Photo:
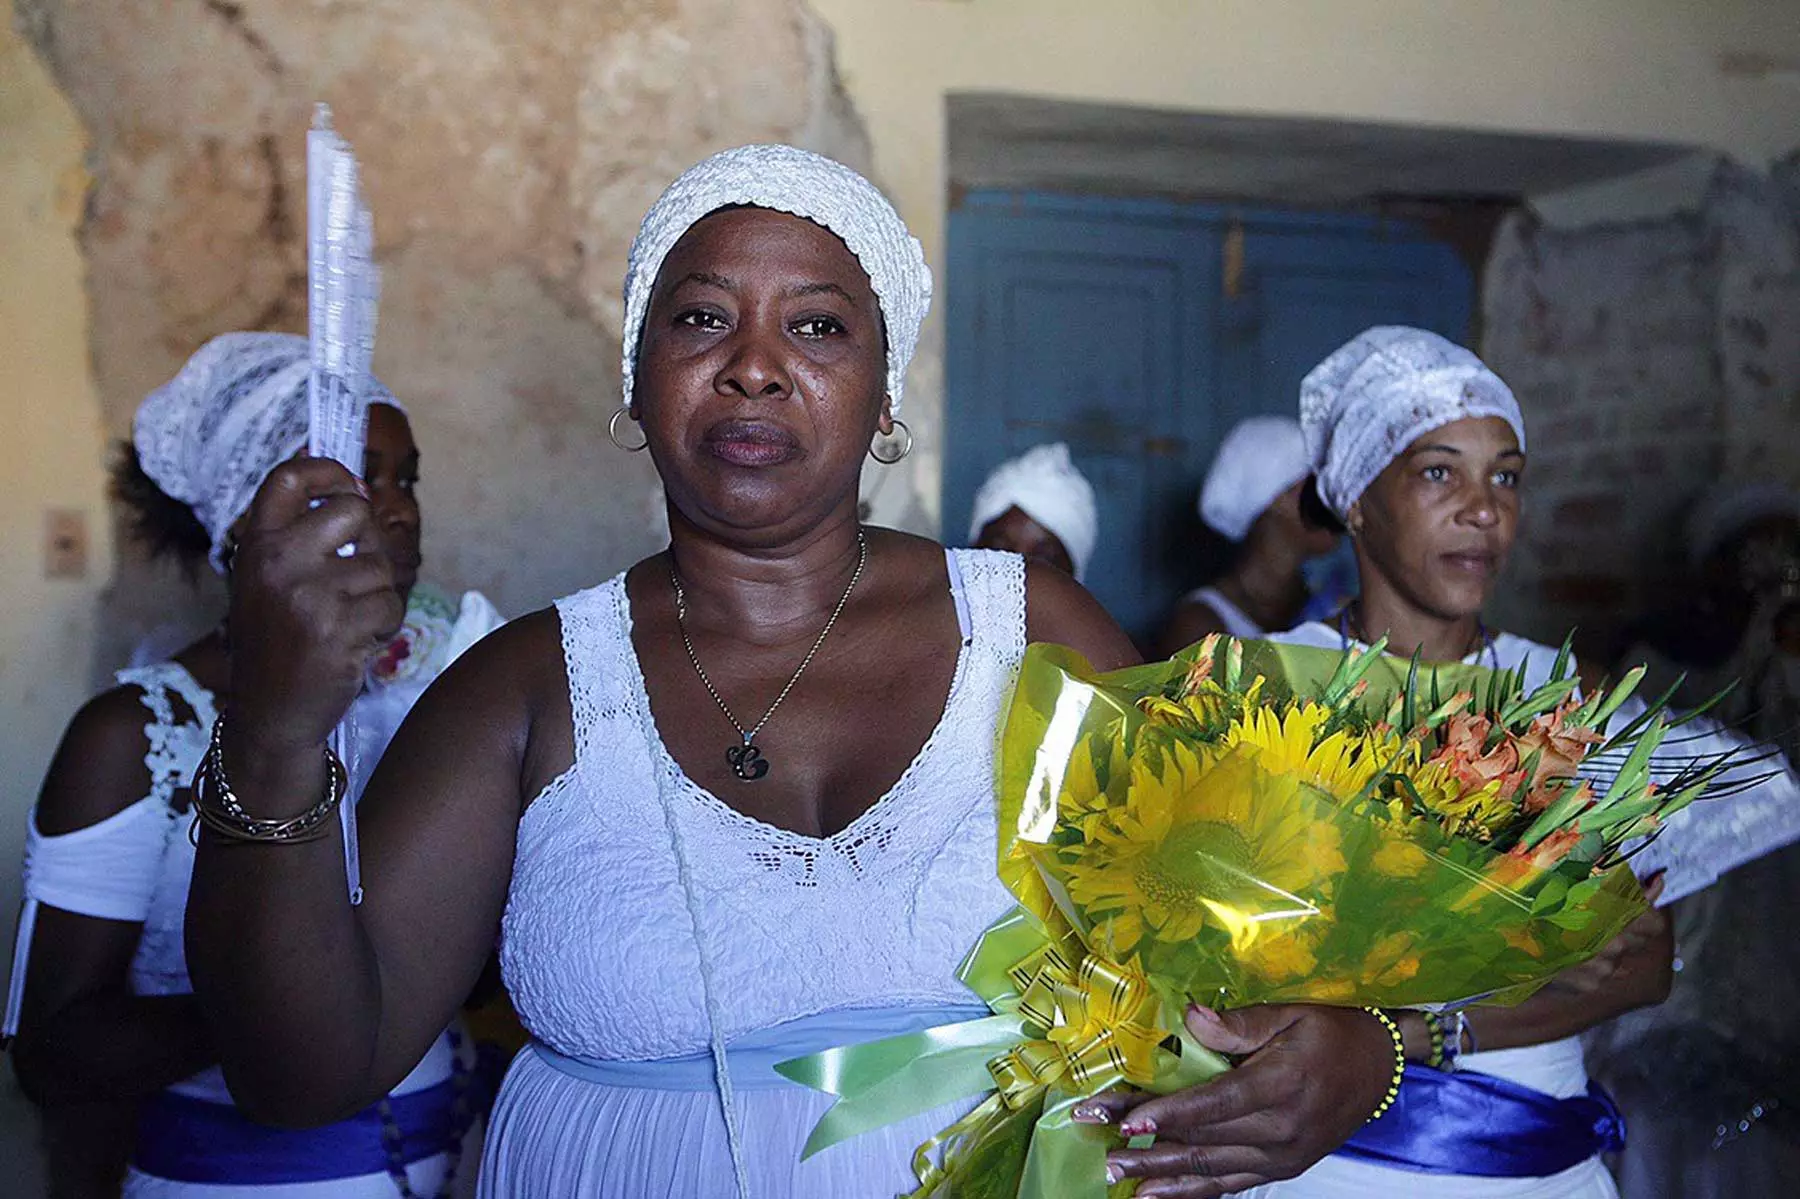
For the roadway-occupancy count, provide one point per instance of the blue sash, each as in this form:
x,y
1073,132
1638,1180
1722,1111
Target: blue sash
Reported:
x,y
1485,1127
183,1139
752,1058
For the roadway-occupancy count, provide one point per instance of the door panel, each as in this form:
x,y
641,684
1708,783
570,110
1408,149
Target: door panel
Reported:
x,y
1110,325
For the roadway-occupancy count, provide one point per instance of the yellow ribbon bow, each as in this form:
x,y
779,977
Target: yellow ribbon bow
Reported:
x,y
1096,1025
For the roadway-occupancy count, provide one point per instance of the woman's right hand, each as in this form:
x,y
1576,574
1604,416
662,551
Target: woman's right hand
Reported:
x,y
305,620
1311,1076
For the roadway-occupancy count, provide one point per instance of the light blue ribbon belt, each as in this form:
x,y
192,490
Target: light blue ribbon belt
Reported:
x,y
752,1058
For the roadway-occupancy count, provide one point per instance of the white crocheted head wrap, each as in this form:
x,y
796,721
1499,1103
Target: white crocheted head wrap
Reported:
x,y
1043,484
1258,460
1728,510
794,181
1383,390
235,411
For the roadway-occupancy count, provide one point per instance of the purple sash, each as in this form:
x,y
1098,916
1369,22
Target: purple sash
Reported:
x,y
182,1139
1485,1127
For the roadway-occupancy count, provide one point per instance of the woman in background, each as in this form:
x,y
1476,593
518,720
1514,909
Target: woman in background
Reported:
x,y
1040,506
1252,498
1418,452
101,1004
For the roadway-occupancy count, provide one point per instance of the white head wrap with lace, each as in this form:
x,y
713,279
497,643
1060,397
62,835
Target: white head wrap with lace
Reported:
x,y
786,179
234,412
1383,390
1044,484
1258,460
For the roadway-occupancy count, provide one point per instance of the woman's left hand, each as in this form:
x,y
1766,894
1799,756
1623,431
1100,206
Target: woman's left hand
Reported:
x,y
1312,1077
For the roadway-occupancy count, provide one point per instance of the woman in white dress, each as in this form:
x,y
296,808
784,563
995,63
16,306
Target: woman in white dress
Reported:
x,y
1251,498
100,1001
733,805
1418,450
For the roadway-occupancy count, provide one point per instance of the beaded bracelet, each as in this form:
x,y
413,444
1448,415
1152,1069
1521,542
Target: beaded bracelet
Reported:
x,y
1393,1091
1434,1026
217,806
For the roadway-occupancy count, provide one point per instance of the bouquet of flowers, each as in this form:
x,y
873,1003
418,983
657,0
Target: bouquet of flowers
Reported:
x,y
1256,823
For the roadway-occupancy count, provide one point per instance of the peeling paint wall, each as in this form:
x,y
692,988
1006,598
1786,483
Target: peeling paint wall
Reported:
x,y
1653,360
508,153
50,426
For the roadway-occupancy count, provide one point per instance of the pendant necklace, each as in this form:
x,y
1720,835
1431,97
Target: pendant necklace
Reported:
x,y
747,760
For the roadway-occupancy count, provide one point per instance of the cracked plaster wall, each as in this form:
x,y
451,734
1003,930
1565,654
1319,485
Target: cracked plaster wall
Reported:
x,y
508,153
1652,359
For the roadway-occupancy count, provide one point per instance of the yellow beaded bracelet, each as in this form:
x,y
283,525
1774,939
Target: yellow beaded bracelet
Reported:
x,y
1393,1091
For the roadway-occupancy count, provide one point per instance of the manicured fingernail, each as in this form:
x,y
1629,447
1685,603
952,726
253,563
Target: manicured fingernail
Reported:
x,y
1200,1012
1113,1174
1089,1113
1138,1126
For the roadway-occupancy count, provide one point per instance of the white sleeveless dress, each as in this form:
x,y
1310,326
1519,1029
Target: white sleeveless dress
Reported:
x,y
137,865
601,947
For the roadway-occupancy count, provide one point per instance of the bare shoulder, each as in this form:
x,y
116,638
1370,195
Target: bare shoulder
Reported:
x,y
1191,621
99,769
518,665
1060,610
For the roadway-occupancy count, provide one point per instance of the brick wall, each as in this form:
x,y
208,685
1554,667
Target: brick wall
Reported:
x,y
1652,359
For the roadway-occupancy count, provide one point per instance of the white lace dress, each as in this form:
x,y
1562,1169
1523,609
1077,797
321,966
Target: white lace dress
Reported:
x,y
803,938
137,864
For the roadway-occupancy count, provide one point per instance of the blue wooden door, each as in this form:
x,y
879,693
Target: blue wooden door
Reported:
x,y
1116,326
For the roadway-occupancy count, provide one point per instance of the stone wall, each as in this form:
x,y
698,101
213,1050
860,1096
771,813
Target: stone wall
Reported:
x,y
1653,360
508,152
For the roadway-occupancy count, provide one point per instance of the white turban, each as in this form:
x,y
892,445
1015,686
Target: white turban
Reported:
x,y
785,179
1258,460
1386,388
235,411
1043,484
1724,512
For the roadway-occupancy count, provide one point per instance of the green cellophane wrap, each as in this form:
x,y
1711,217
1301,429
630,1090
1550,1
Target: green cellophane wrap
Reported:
x,y
1236,877
1252,846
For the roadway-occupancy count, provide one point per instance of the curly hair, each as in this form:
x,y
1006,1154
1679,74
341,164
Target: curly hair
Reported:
x,y
162,524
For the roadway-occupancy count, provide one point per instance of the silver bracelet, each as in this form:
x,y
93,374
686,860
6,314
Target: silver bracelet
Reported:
x,y
217,806
1453,1039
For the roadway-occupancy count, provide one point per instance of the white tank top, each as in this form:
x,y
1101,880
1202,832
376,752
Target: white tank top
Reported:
x,y
599,949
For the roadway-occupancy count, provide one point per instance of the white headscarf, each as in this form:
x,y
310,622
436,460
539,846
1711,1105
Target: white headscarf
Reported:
x,y
1258,460
1386,388
1726,511
1043,484
236,410
794,181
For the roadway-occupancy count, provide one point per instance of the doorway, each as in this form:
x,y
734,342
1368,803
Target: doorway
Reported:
x,y
1139,332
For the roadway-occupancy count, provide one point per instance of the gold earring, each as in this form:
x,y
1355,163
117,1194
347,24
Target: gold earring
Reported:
x,y
612,431
905,443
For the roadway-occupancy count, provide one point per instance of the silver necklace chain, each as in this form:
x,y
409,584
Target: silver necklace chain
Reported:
x,y
747,760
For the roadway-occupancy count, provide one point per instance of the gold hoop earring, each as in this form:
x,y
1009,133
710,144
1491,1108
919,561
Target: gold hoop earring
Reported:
x,y
905,443
612,431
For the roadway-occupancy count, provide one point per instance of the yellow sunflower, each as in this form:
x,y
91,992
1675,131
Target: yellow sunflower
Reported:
x,y
1477,812
1340,764
1201,841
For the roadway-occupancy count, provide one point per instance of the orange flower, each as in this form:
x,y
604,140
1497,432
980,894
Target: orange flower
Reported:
x,y
1551,850
1469,763
1562,746
1546,793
